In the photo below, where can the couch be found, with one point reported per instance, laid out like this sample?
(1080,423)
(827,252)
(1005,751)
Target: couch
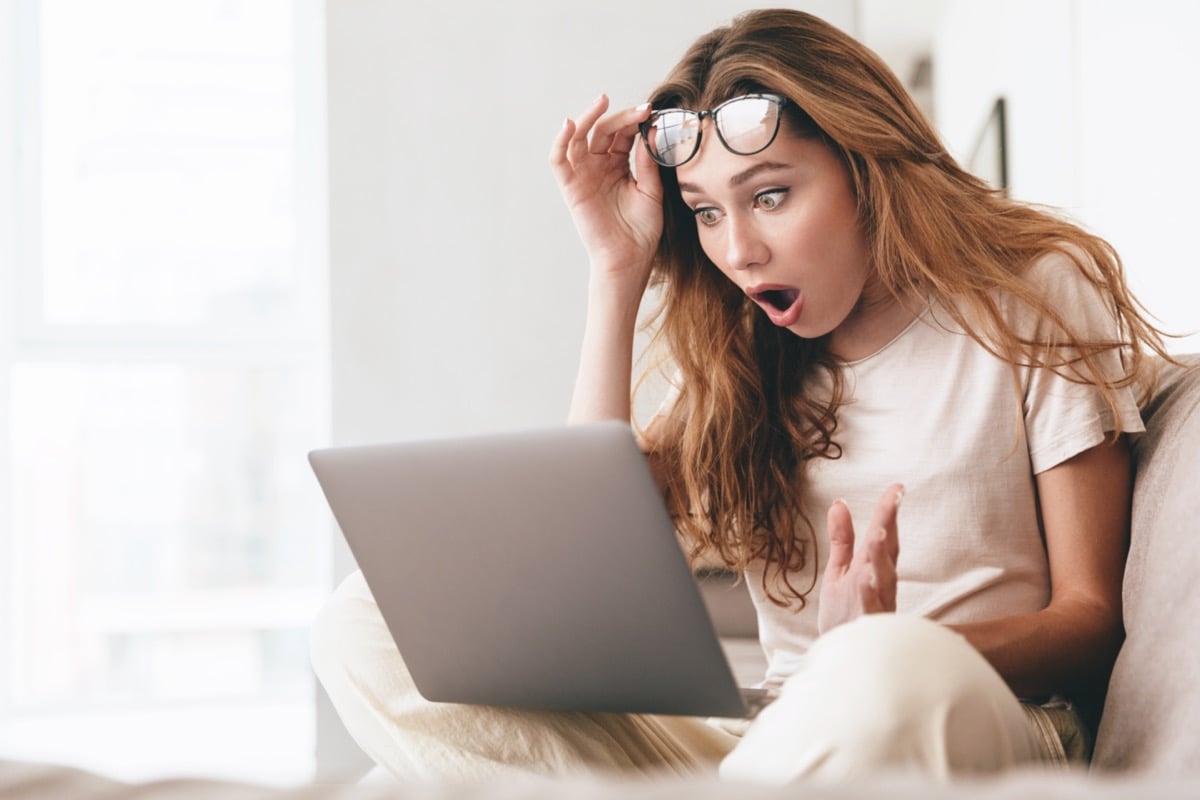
(1147,743)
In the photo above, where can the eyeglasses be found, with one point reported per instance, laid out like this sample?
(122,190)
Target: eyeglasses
(745,125)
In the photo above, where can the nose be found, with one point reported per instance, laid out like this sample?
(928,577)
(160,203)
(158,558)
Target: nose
(744,247)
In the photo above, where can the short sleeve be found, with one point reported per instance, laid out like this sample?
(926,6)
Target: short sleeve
(1062,417)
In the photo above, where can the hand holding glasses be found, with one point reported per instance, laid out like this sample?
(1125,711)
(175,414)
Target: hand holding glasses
(617,210)
(619,213)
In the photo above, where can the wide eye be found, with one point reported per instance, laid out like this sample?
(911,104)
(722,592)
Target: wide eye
(770,200)
(708,216)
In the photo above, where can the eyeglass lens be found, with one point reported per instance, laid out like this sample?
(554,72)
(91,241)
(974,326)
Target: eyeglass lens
(745,125)
(673,136)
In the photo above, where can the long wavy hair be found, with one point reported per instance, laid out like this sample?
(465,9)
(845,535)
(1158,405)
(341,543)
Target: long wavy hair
(734,446)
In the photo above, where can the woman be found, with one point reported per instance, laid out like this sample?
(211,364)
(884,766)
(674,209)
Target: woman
(850,319)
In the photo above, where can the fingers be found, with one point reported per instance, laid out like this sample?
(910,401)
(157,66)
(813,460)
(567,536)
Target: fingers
(559,164)
(577,146)
(882,549)
(595,134)
(875,579)
(616,133)
(841,538)
(871,569)
(884,518)
(570,145)
(881,571)
(646,172)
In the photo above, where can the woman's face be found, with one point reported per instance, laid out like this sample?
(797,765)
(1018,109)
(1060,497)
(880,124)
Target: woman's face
(783,225)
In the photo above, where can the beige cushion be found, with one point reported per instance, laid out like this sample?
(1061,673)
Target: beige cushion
(1152,711)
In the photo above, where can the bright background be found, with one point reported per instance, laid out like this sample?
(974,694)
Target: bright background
(164,349)
(235,230)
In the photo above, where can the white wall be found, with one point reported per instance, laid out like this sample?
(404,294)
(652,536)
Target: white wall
(1140,165)
(1101,123)
(1021,50)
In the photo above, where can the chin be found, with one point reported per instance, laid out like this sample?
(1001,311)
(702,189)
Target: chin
(808,331)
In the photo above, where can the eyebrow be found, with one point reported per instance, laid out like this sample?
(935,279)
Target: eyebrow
(741,177)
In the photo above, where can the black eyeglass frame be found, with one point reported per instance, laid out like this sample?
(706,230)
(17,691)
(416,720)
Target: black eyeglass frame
(644,128)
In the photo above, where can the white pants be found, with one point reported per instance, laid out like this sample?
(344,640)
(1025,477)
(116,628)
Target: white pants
(886,692)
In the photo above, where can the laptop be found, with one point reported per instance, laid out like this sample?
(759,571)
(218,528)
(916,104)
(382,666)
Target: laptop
(536,569)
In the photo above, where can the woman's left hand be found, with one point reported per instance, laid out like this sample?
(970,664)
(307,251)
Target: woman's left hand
(863,581)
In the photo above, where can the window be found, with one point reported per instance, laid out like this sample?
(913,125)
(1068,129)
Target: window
(163,349)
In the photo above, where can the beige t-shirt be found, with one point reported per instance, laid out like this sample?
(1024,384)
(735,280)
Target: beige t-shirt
(935,411)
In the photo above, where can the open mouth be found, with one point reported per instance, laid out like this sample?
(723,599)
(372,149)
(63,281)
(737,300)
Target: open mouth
(782,304)
(779,299)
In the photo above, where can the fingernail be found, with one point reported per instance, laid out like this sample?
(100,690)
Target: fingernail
(899,497)
(842,502)
(642,107)
(566,123)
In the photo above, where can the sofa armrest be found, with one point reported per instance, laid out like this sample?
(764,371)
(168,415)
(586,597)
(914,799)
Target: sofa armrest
(1152,709)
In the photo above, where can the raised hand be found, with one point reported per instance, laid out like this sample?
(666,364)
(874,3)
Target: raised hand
(617,213)
(863,581)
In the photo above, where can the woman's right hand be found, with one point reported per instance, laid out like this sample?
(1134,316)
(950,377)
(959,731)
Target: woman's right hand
(860,580)
(617,213)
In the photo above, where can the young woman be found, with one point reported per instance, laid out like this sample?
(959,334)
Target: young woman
(850,319)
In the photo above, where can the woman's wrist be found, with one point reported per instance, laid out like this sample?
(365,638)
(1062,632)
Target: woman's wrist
(620,287)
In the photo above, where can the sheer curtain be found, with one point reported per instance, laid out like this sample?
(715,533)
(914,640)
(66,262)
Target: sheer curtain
(163,371)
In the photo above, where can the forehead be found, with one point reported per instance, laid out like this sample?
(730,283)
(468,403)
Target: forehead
(714,168)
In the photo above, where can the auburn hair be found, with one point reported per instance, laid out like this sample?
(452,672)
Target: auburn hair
(733,447)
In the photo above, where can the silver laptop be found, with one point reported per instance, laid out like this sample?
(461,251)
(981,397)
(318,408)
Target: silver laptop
(535,569)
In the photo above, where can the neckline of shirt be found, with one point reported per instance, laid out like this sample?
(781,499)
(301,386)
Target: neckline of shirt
(900,335)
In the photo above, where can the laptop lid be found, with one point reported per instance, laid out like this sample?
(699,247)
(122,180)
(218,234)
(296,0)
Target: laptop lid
(536,569)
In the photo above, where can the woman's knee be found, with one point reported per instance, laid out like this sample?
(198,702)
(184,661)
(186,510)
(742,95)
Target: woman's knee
(895,655)
(327,634)
(886,691)
(919,684)
(350,646)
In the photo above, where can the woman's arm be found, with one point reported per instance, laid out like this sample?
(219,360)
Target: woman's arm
(602,383)
(1071,644)
(618,216)
(1085,510)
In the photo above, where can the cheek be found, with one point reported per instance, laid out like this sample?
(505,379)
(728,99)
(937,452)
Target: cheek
(843,237)
(710,245)
(837,246)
